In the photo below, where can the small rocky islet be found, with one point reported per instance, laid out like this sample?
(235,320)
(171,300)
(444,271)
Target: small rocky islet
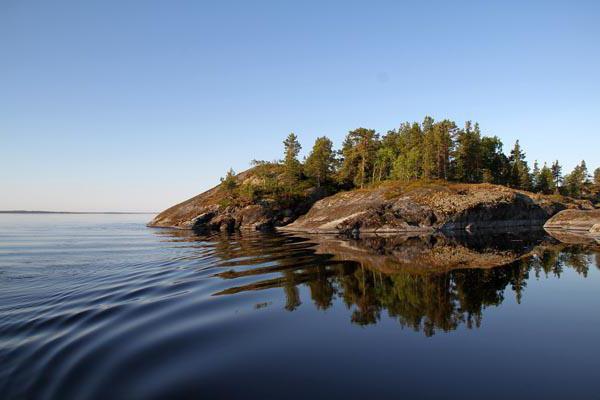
(419,178)
(392,207)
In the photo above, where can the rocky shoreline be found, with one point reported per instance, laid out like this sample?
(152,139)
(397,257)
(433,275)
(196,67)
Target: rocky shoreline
(391,208)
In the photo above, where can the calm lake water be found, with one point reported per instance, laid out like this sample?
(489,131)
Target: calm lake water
(99,306)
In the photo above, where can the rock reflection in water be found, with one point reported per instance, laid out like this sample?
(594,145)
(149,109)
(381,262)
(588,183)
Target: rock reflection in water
(428,283)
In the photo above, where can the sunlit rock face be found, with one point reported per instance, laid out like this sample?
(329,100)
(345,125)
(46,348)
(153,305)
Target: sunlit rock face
(576,221)
(426,208)
(214,211)
(391,208)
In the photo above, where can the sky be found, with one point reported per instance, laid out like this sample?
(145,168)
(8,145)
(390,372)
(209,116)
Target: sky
(138,105)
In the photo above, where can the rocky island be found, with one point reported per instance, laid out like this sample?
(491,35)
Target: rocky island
(394,207)
(423,177)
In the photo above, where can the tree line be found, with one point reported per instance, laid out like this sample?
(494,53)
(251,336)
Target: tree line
(428,150)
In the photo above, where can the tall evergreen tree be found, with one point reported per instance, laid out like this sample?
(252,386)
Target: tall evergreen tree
(320,162)
(519,171)
(557,174)
(467,156)
(409,162)
(444,131)
(493,160)
(429,149)
(360,148)
(292,167)
(584,171)
(535,176)
(545,180)
(597,176)
(576,180)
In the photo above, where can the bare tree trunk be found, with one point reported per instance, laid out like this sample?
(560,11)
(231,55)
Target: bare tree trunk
(362,172)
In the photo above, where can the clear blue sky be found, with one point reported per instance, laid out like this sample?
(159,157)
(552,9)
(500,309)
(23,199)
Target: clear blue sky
(136,105)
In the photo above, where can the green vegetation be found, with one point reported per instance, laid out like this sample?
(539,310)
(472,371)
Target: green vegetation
(428,151)
(320,164)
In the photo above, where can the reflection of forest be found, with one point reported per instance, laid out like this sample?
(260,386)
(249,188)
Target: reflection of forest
(427,283)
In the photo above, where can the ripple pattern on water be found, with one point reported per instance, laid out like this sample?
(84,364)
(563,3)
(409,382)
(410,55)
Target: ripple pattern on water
(96,307)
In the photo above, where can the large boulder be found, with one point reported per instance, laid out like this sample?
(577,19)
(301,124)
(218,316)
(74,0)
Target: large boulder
(426,207)
(581,221)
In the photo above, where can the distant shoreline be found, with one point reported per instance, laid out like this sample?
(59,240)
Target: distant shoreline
(71,212)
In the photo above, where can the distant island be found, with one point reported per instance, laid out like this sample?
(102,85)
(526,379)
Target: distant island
(417,178)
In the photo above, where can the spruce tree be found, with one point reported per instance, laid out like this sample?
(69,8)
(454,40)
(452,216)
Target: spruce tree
(556,174)
(467,156)
(519,171)
(292,167)
(545,180)
(535,176)
(576,180)
(492,159)
(584,172)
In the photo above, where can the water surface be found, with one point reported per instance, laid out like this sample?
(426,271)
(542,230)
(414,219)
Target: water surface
(99,306)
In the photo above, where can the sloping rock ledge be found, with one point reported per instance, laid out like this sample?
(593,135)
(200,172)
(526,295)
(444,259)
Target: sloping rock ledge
(580,221)
(391,208)
(427,208)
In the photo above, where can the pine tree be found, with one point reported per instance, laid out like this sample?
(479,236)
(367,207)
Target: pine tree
(360,148)
(597,176)
(467,156)
(292,167)
(545,180)
(320,162)
(519,171)
(535,176)
(584,172)
(524,178)
(444,131)
(429,149)
(493,160)
(409,160)
(556,174)
(576,180)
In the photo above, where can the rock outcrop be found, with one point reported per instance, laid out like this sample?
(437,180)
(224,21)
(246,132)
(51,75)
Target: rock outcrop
(426,208)
(578,221)
(214,210)
(390,208)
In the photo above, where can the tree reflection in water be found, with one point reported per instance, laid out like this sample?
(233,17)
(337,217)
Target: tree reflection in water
(429,283)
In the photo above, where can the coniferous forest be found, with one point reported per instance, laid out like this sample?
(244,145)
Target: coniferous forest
(426,151)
